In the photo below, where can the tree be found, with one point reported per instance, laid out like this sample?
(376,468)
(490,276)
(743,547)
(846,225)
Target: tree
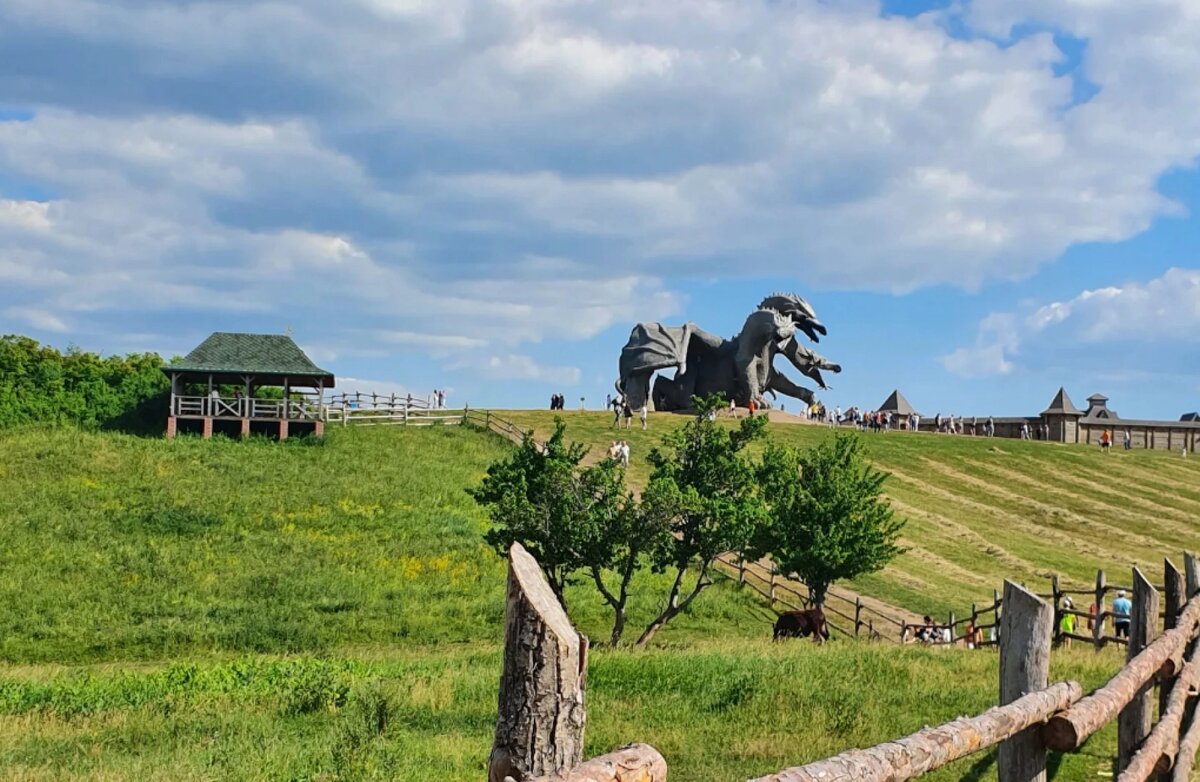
(570,518)
(828,520)
(701,501)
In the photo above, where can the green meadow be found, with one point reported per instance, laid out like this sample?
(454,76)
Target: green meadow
(327,609)
(980,511)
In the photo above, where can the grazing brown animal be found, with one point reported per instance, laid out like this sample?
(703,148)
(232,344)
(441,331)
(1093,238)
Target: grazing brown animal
(801,624)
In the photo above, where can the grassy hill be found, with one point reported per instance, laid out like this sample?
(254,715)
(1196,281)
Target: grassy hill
(254,610)
(981,510)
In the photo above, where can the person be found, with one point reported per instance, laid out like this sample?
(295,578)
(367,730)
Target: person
(937,422)
(624,446)
(1127,441)
(608,400)
(1105,440)
(927,633)
(1091,620)
(616,408)
(969,632)
(1067,623)
(990,427)
(1121,609)
(732,407)
(614,452)
(642,416)
(628,411)
(750,407)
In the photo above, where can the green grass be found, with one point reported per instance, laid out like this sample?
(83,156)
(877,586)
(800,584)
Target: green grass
(254,610)
(981,511)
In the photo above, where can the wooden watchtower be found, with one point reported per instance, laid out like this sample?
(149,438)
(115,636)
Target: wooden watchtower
(221,384)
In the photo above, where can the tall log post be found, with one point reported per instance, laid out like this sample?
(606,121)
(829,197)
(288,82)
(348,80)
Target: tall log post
(1191,576)
(1133,723)
(1173,589)
(1185,756)
(1025,636)
(540,715)
(1098,619)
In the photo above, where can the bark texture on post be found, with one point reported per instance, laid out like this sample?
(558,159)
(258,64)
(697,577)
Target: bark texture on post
(1191,573)
(1098,619)
(1133,723)
(634,763)
(932,748)
(1026,630)
(540,717)
(1173,589)
(1065,732)
(1158,750)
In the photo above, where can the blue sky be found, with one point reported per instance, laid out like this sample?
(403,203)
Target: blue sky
(983,200)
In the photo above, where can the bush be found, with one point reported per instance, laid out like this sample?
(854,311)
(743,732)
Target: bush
(39,384)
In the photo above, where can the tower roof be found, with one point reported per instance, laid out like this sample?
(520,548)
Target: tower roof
(1061,405)
(896,403)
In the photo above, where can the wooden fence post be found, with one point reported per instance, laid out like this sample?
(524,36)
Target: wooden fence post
(1025,635)
(1173,590)
(857,614)
(1055,598)
(741,569)
(950,624)
(540,714)
(1098,619)
(1191,576)
(1133,723)
(772,585)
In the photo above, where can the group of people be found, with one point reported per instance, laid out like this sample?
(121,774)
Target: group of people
(558,402)
(619,452)
(436,400)
(1122,609)
(623,412)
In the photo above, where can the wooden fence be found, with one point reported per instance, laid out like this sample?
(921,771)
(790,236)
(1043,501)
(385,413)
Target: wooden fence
(539,727)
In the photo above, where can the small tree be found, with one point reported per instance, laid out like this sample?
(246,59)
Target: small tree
(828,520)
(535,497)
(570,518)
(701,501)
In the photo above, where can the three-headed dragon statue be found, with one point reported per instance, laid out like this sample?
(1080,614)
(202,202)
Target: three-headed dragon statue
(739,369)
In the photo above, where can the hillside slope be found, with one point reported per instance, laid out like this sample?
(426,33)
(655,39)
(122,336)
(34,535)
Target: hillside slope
(254,610)
(980,510)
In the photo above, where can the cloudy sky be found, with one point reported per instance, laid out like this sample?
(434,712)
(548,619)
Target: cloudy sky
(983,200)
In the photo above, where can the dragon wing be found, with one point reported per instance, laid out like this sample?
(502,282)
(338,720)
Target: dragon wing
(653,346)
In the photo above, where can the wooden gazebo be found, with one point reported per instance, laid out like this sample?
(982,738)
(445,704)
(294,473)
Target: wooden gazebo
(248,362)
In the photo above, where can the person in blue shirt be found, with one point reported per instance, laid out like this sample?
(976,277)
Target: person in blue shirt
(1121,608)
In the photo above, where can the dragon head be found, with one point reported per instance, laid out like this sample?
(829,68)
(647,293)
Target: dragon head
(798,311)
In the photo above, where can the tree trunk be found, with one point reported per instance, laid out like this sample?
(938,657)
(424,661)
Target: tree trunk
(540,714)
(674,607)
(1158,750)
(635,763)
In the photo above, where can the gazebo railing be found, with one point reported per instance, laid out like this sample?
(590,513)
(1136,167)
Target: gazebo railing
(246,407)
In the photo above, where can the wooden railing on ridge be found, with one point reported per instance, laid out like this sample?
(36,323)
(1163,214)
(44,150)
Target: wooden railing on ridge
(1033,716)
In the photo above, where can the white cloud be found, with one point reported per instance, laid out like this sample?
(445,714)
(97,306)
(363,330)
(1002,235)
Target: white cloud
(1136,325)
(38,319)
(519,367)
(459,172)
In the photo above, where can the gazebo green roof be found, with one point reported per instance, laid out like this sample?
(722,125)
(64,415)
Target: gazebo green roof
(262,355)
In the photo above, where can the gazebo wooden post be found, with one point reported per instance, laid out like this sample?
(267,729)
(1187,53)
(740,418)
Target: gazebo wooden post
(209,411)
(171,422)
(283,419)
(246,407)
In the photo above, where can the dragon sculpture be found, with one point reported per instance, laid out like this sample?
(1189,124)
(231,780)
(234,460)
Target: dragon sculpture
(739,369)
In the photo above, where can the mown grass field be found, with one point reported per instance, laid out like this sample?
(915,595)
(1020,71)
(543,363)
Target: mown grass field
(254,610)
(980,510)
